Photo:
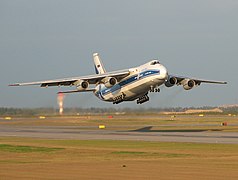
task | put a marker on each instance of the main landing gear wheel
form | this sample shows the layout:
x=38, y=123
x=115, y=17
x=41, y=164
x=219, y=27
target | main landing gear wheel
x=119, y=98
x=143, y=99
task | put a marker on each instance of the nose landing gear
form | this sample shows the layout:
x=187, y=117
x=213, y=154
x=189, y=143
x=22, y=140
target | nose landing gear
x=152, y=89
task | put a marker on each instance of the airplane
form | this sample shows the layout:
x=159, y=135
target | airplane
x=124, y=85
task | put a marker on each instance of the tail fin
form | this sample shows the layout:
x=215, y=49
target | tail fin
x=99, y=68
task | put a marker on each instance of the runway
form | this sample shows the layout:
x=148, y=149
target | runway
x=138, y=134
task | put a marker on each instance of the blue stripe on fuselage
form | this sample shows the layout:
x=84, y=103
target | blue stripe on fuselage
x=128, y=81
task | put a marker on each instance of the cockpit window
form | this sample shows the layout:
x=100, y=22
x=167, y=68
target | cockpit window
x=154, y=63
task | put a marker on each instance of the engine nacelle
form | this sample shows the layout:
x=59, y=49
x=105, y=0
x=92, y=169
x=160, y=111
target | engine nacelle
x=109, y=81
x=188, y=84
x=171, y=81
x=82, y=85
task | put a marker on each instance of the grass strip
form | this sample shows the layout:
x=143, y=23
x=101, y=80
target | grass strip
x=26, y=149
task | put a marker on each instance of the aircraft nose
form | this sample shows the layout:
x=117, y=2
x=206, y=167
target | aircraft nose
x=163, y=73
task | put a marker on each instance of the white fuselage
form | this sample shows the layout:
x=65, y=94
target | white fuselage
x=137, y=84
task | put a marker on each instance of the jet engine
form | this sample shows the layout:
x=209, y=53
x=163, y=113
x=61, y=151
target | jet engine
x=188, y=84
x=109, y=81
x=82, y=85
x=171, y=81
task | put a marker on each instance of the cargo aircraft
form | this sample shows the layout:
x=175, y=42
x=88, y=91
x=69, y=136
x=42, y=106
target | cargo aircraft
x=124, y=85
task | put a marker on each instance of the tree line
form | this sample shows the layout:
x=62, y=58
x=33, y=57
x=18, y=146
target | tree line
x=74, y=111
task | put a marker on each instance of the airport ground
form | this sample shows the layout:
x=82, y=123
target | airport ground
x=127, y=147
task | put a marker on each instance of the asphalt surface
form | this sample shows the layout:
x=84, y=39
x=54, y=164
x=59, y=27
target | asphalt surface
x=138, y=134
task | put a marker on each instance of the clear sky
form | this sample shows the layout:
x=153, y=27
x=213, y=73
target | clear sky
x=49, y=39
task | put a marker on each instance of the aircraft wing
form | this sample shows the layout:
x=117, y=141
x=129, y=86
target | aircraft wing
x=75, y=91
x=197, y=81
x=91, y=79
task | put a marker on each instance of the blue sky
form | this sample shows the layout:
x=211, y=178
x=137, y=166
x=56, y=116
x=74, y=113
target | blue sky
x=49, y=39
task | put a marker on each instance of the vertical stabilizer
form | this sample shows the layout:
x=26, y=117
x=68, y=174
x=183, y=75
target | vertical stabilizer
x=99, y=68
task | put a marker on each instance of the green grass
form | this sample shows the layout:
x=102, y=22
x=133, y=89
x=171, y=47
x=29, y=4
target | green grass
x=150, y=154
x=30, y=158
x=26, y=149
x=120, y=148
x=129, y=152
x=50, y=145
x=39, y=150
x=124, y=144
x=20, y=162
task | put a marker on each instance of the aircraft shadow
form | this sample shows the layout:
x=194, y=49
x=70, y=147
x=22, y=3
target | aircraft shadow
x=149, y=129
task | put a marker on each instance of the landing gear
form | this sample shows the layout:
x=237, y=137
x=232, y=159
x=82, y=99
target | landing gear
x=119, y=98
x=143, y=99
x=152, y=89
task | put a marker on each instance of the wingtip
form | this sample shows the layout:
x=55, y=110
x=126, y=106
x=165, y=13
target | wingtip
x=14, y=85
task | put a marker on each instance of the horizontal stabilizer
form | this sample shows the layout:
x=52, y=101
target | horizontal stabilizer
x=75, y=91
